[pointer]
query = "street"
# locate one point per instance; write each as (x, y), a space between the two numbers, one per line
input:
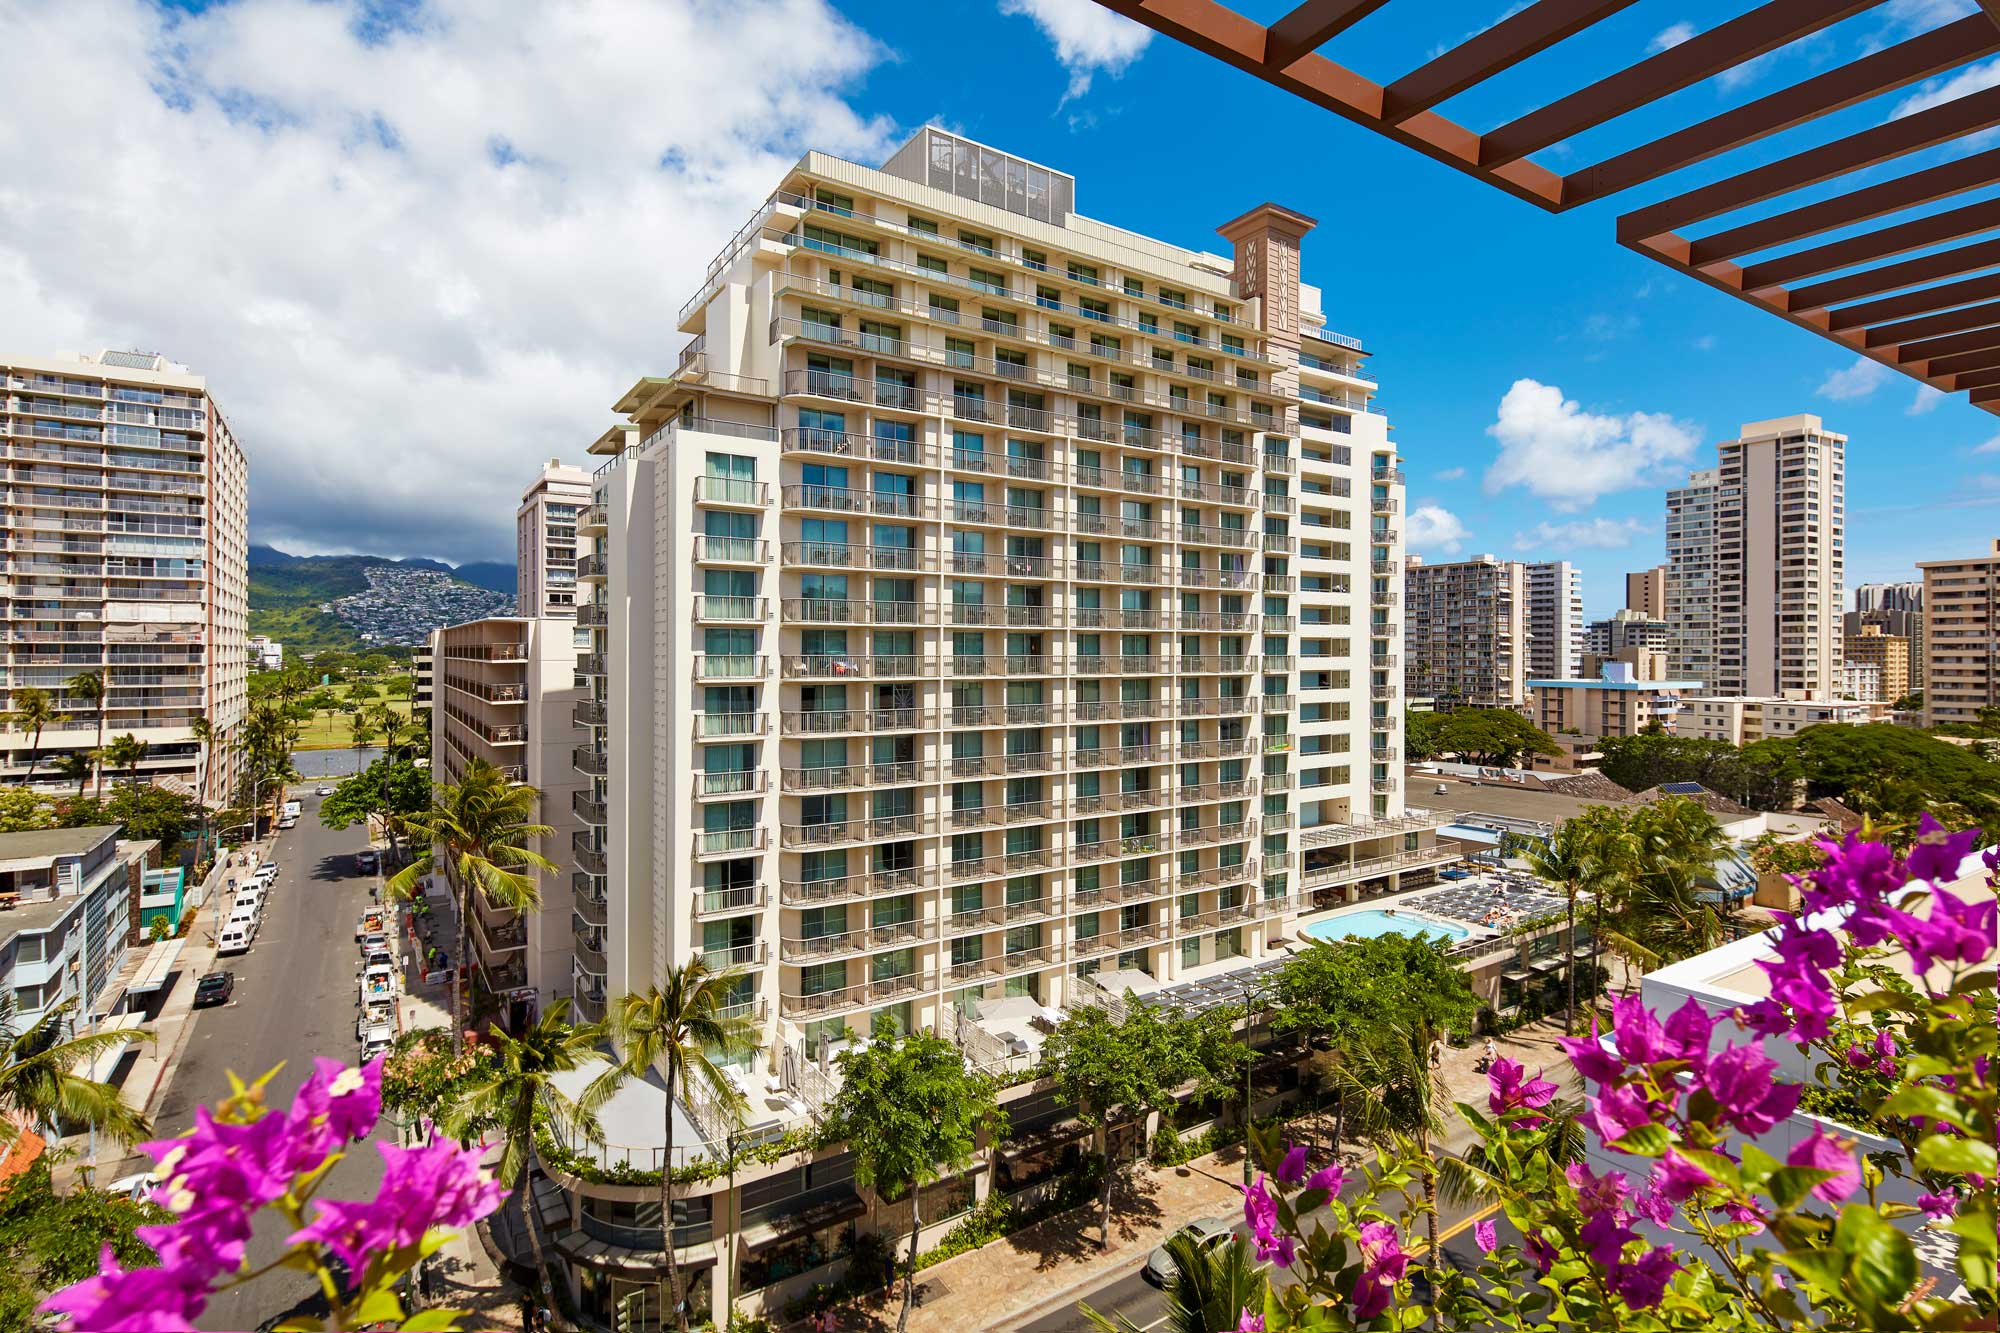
(1129, 1296)
(294, 1000)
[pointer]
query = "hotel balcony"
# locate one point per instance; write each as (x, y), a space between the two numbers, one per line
(819, 948)
(846, 998)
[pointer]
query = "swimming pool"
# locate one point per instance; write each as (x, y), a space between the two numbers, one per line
(1373, 923)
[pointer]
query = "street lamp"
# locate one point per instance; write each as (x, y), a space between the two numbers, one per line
(1250, 994)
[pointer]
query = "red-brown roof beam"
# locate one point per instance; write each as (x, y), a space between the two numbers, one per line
(1983, 288)
(1890, 277)
(1500, 47)
(1917, 234)
(1931, 326)
(1302, 31)
(1884, 71)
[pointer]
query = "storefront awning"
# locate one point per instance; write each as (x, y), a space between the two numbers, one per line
(156, 967)
(107, 1061)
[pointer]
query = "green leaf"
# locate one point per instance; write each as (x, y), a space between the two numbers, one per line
(1941, 1152)
(1927, 1100)
(1822, 1268)
(1757, 1166)
(434, 1321)
(1644, 1141)
(379, 1306)
(1789, 1185)
(1882, 1262)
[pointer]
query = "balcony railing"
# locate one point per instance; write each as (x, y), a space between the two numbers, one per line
(863, 995)
(728, 902)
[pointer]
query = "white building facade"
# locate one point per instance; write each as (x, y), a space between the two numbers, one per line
(545, 541)
(1555, 619)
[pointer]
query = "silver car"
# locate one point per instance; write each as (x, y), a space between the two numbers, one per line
(1206, 1232)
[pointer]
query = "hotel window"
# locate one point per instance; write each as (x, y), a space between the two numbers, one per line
(1083, 273)
(923, 225)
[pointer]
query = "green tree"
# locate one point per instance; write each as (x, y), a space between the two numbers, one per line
(1892, 773)
(910, 1112)
(88, 687)
(1115, 1071)
(391, 791)
(1763, 780)
(49, 1240)
(1572, 860)
(518, 1095)
(683, 1028)
(204, 735)
(1389, 1078)
(363, 692)
(1420, 734)
(144, 810)
(1661, 864)
(39, 1084)
(479, 832)
(126, 752)
(22, 811)
(1207, 1292)
(34, 709)
(362, 726)
(77, 766)
(1495, 737)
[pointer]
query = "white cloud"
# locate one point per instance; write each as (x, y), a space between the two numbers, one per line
(413, 260)
(1436, 530)
(1705, 343)
(1671, 36)
(1925, 402)
(1596, 533)
(1992, 446)
(1857, 381)
(1936, 92)
(1452, 474)
(1569, 457)
(1087, 37)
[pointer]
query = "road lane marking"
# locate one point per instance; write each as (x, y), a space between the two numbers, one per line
(1456, 1228)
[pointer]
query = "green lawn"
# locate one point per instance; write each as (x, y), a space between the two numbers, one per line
(335, 731)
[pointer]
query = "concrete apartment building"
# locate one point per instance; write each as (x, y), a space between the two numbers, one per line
(993, 608)
(71, 898)
(1646, 593)
(1690, 579)
(1907, 625)
(1618, 701)
(1862, 681)
(1555, 619)
(1604, 640)
(1887, 654)
(423, 684)
(1465, 636)
(506, 691)
(1961, 637)
(1889, 596)
(545, 541)
(1779, 531)
(126, 524)
(1741, 719)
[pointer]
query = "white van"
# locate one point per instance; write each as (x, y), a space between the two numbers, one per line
(250, 896)
(244, 917)
(267, 874)
(234, 939)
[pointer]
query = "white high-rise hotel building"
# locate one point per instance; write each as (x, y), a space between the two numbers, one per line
(126, 522)
(991, 596)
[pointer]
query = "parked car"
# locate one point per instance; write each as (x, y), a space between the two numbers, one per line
(322, 790)
(138, 1187)
(215, 988)
(376, 1040)
(266, 873)
(365, 859)
(234, 939)
(1206, 1232)
(376, 1013)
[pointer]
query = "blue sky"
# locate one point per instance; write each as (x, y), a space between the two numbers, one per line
(421, 246)
(1459, 290)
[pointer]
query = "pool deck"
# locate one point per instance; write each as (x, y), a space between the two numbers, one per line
(1398, 906)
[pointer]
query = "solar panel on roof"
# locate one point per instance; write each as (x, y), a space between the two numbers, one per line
(1683, 788)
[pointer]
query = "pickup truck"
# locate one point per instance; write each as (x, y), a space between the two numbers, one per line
(371, 922)
(378, 982)
(376, 1040)
(376, 1013)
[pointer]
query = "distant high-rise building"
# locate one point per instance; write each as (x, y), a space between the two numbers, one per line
(1605, 640)
(1465, 634)
(1555, 619)
(1889, 654)
(545, 540)
(1961, 637)
(1897, 624)
(1646, 592)
(1780, 518)
(1889, 597)
(127, 529)
(1690, 581)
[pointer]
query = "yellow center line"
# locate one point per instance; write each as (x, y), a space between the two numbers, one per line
(1422, 1243)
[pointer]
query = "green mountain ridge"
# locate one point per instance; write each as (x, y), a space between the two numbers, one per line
(287, 591)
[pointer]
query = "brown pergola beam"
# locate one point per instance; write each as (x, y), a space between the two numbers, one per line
(1722, 47)
(1219, 31)
(1973, 379)
(1313, 23)
(1916, 234)
(1872, 201)
(1942, 297)
(1949, 345)
(1866, 148)
(1895, 67)
(1481, 56)
(1930, 326)
(1888, 278)
(1988, 398)
(1956, 365)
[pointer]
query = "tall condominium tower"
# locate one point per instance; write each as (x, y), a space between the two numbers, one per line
(1555, 619)
(1690, 583)
(989, 599)
(545, 541)
(1889, 597)
(1780, 516)
(1961, 637)
(127, 528)
(1646, 593)
(1466, 631)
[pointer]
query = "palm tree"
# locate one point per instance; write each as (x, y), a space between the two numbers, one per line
(1570, 860)
(89, 687)
(1397, 1097)
(1207, 1292)
(126, 752)
(521, 1095)
(362, 724)
(33, 710)
(204, 735)
(681, 1027)
(77, 766)
(39, 1084)
(478, 830)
